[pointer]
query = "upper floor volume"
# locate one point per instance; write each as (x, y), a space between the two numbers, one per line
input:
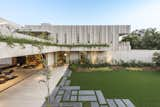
(81, 34)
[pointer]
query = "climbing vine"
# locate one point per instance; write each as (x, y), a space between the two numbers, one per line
(10, 40)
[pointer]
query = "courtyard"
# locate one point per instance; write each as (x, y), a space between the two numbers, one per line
(80, 53)
(141, 87)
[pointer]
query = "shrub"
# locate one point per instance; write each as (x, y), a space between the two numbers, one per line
(133, 63)
(156, 58)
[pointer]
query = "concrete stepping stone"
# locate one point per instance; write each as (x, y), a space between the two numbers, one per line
(86, 92)
(67, 83)
(119, 103)
(66, 96)
(128, 103)
(70, 104)
(87, 98)
(65, 104)
(111, 103)
(94, 104)
(74, 92)
(77, 104)
(73, 98)
(60, 92)
(53, 105)
(103, 106)
(71, 87)
(100, 97)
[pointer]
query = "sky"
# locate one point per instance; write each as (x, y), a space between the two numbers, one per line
(137, 13)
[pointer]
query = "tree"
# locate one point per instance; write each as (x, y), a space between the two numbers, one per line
(145, 39)
(151, 39)
(134, 40)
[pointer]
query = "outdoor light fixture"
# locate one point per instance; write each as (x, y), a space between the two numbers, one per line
(65, 54)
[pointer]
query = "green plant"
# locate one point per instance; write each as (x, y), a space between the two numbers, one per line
(133, 63)
(156, 58)
(10, 40)
(136, 86)
(47, 73)
(144, 39)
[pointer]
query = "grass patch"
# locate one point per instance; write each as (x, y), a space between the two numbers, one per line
(86, 104)
(142, 88)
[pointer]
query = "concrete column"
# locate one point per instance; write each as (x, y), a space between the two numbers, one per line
(50, 58)
(55, 58)
(93, 57)
(67, 59)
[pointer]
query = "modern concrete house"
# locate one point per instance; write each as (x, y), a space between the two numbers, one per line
(70, 44)
(73, 43)
(91, 42)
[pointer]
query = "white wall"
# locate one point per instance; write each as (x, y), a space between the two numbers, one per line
(138, 55)
(6, 61)
(126, 56)
(7, 51)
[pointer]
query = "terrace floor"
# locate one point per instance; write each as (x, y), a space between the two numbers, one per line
(21, 75)
(29, 92)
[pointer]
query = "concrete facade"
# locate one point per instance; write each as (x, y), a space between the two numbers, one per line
(82, 34)
(76, 35)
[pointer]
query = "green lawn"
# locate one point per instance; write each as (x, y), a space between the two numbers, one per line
(143, 88)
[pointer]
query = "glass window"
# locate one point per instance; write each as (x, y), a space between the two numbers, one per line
(77, 35)
(65, 38)
(88, 37)
(99, 37)
(56, 37)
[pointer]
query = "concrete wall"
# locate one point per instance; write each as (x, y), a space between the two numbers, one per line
(96, 57)
(7, 51)
(127, 56)
(6, 61)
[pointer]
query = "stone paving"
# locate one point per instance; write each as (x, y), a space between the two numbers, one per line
(65, 95)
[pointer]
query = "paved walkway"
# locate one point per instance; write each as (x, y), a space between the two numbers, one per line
(30, 93)
(65, 95)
